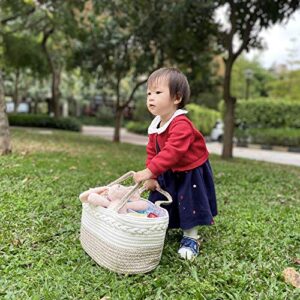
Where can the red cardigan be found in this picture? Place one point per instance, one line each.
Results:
(182, 148)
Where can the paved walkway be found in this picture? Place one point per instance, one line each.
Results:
(286, 158)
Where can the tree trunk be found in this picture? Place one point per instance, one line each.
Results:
(35, 105)
(229, 112)
(5, 146)
(16, 91)
(55, 91)
(118, 121)
(56, 69)
(120, 108)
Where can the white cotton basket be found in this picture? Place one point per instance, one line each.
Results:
(124, 243)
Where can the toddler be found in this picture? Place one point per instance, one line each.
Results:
(177, 159)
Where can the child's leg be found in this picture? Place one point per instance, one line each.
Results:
(189, 246)
(192, 233)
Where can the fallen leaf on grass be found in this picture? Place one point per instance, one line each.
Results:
(16, 242)
(73, 168)
(105, 298)
(292, 277)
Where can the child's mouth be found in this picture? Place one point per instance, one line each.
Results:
(151, 106)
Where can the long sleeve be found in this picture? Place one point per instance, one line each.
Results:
(179, 140)
(150, 149)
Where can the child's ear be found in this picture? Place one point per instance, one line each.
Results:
(177, 100)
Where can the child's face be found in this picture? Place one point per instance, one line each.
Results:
(159, 101)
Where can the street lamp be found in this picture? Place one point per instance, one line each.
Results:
(248, 76)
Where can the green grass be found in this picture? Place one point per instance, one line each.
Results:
(256, 235)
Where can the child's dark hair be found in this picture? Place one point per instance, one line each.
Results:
(178, 84)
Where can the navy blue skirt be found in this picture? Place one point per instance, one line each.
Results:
(194, 197)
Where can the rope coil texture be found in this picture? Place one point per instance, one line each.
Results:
(121, 243)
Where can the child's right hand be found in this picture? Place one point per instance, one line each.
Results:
(151, 184)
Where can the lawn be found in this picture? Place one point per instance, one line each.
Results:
(256, 235)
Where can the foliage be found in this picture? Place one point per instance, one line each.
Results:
(268, 113)
(255, 236)
(134, 38)
(275, 136)
(246, 20)
(138, 127)
(258, 84)
(287, 137)
(98, 120)
(141, 112)
(24, 51)
(286, 85)
(267, 121)
(203, 118)
(44, 121)
(105, 116)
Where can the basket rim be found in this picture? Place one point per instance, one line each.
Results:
(100, 209)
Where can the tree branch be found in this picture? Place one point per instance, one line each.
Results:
(133, 92)
(233, 28)
(47, 34)
(246, 36)
(11, 18)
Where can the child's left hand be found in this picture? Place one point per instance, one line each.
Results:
(142, 175)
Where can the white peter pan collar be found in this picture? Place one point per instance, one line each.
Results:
(153, 126)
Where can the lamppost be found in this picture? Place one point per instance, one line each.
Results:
(248, 76)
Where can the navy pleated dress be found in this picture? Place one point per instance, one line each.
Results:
(193, 193)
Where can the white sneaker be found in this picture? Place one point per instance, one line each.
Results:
(189, 248)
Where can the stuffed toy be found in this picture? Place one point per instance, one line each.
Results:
(111, 196)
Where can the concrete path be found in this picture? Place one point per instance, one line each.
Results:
(279, 157)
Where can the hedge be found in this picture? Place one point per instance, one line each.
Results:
(138, 127)
(203, 118)
(267, 113)
(275, 136)
(267, 121)
(44, 121)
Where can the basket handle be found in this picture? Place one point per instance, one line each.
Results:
(163, 192)
(126, 197)
(122, 178)
(118, 205)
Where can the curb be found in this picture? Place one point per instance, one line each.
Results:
(270, 147)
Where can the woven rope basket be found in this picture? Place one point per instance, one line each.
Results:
(124, 243)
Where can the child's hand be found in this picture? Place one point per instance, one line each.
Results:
(151, 184)
(142, 175)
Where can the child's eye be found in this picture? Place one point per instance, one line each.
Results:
(158, 92)
(148, 93)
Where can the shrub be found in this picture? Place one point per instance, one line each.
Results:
(203, 118)
(105, 116)
(266, 113)
(141, 112)
(138, 127)
(94, 121)
(267, 121)
(276, 136)
(44, 121)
